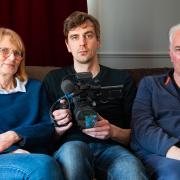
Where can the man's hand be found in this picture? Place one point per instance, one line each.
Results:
(7, 139)
(102, 129)
(63, 119)
(173, 153)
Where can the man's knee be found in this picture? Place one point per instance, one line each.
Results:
(74, 154)
(75, 159)
(73, 149)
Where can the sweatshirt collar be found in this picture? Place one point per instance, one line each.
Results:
(20, 87)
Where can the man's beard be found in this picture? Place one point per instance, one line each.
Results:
(84, 61)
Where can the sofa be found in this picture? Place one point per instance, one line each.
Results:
(38, 72)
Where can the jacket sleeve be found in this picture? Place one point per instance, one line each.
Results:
(147, 135)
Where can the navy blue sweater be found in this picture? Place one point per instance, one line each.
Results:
(26, 113)
(156, 116)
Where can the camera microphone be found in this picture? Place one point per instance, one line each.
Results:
(69, 89)
(67, 86)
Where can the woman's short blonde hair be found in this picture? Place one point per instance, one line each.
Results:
(17, 41)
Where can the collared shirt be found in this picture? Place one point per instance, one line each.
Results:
(20, 87)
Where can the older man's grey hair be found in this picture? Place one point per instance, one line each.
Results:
(172, 30)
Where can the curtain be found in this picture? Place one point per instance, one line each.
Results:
(40, 24)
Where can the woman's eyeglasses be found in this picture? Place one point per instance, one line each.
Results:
(6, 52)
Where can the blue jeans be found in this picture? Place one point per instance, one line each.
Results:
(29, 167)
(162, 168)
(80, 160)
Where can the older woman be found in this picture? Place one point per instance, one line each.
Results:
(25, 126)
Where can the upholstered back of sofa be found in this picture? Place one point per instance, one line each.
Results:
(138, 74)
(38, 72)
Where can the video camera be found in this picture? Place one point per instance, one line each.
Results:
(81, 95)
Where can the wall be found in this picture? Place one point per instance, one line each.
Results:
(135, 32)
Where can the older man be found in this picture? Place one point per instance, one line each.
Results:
(156, 118)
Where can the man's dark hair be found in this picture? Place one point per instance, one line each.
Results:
(78, 18)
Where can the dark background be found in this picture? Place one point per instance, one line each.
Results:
(40, 25)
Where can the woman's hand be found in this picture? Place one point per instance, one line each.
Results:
(20, 151)
(7, 139)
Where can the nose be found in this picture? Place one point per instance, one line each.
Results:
(82, 40)
(11, 56)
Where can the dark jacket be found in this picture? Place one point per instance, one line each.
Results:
(156, 116)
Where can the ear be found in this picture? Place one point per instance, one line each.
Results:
(67, 45)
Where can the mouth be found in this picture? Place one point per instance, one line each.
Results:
(83, 52)
(12, 65)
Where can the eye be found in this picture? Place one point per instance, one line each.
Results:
(18, 53)
(89, 35)
(74, 37)
(177, 49)
(5, 50)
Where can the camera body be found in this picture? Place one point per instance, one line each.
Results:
(82, 100)
(82, 92)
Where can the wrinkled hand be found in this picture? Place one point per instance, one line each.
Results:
(7, 139)
(173, 153)
(102, 129)
(63, 119)
(20, 151)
